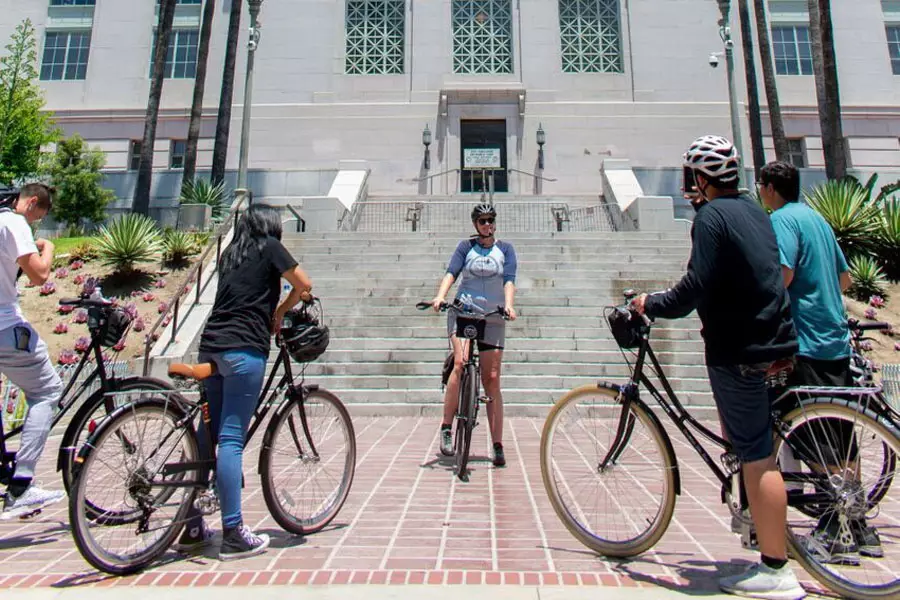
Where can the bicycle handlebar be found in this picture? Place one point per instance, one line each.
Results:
(458, 307)
(856, 326)
(86, 302)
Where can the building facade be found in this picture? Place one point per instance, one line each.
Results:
(360, 80)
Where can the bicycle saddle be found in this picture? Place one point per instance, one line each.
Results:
(195, 372)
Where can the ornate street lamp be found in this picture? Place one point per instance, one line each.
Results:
(541, 140)
(426, 141)
(725, 34)
(252, 44)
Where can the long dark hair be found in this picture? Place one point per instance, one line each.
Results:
(258, 223)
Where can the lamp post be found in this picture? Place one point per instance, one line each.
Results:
(725, 34)
(541, 140)
(252, 44)
(426, 141)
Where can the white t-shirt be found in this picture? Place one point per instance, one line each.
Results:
(16, 241)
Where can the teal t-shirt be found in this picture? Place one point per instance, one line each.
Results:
(807, 246)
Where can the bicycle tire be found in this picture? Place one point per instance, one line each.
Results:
(837, 409)
(289, 522)
(71, 440)
(640, 413)
(465, 425)
(79, 511)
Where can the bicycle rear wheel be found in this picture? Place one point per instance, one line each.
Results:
(579, 433)
(848, 544)
(466, 421)
(305, 487)
(127, 482)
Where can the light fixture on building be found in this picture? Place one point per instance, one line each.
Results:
(541, 140)
(426, 141)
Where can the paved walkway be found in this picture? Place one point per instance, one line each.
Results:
(409, 521)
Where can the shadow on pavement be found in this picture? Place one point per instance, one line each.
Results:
(47, 536)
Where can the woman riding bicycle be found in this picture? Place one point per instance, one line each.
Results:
(236, 340)
(488, 267)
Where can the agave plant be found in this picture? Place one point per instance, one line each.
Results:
(128, 242)
(868, 278)
(889, 238)
(201, 191)
(178, 246)
(846, 206)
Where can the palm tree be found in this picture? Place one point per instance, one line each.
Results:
(756, 138)
(768, 70)
(223, 124)
(828, 93)
(190, 154)
(141, 202)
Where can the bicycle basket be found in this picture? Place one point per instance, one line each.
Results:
(890, 382)
(470, 329)
(109, 325)
(625, 327)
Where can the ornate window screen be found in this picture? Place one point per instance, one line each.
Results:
(482, 37)
(376, 35)
(590, 35)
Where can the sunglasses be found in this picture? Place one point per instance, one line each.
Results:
(485, 221)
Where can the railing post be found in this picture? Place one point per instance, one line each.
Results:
(175, 319)
(199, 278)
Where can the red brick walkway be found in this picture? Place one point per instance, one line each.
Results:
(408, 520)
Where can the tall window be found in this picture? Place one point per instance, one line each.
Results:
(376, 35)
(797, 152)
(134, 155)
(792, 50)
(893, 37)
(590, 35)
(482, 36)
(176, 154)
(65, 55)
(181, 59)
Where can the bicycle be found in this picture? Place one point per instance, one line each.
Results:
(639, 446)
(157, 491)
(107, 325)
(470, 326)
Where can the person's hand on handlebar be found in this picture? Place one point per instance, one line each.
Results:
(638, 304)
(437, 303)
(511, 313)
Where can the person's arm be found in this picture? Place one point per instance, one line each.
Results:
(457, 262)
(843, 268)
(510, 270)
(788, 237)
(787, 274)
(846, 281)
(300, 290)
(680, 300)
(34, 257)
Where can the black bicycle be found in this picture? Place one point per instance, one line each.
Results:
(470, 326)
(145, 466)
(107, 325)
(612, 476)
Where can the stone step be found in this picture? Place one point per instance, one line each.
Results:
(374, 300)
(349, 318)
(400, 282)
(513, 333)
(425, 268)
(527, 307)
(688, 342)
(539, 236)
(433, 396)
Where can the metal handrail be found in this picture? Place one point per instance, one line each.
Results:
(541, 177)
(427, 177)
(301, 222)
(196, 272)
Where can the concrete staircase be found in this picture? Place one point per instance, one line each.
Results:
(387, 355)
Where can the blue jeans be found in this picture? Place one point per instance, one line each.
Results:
(232, 393)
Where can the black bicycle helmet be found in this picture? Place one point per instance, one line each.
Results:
(484, 210)
(304, 338)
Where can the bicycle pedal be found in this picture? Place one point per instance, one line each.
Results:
(485, 399)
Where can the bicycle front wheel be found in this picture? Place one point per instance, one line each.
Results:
(465, 422)
(624, 507)
(848, 543)
(307, 462)
(122, 469)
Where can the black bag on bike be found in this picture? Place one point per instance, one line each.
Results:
(625, 327)
(111, 325)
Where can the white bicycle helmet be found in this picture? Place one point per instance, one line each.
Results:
(715, 157)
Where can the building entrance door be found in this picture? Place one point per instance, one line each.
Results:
(480, 143)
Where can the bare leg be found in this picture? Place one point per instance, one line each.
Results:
(768, 506)
(491, 363)
(451, 394)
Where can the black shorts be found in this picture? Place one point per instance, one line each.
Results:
(742, 398)
(828, 440)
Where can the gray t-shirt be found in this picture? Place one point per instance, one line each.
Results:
(485, 271)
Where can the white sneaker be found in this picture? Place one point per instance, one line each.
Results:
(761, 581)
(32, 500)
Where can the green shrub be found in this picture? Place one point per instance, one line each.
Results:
(83, 251)
(76, 172)
(201, 191)
(178, 246)
(127, 242)
(868, 278)
(847, 207)
(889, 239)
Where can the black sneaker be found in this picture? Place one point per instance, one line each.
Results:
(240, 542)
(827, 545)
(446, 442)
(499, 458)
(194, 539)
(866, 538)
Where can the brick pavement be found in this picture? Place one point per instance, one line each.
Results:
(409, 521)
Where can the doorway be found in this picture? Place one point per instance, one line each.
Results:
(487, 135)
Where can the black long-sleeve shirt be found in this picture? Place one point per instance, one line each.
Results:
(734, 282)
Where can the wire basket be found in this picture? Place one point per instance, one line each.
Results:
(890, 382)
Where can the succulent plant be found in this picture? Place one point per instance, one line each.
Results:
(67, 357)
(78, 279)
(131, 310)
(80, 317)
(876, 301)
(163, 307)
(865, 346)
(151, 338)
(159, 283)
(120, 345)
(167, 320)
(139, 325)
(62, 273)
(61, 328)
(871, 314)
(90, 285)
(65, 309)
(76, 264)
(149, 297)
(82, 344)
(897, 347)
(48, 288)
